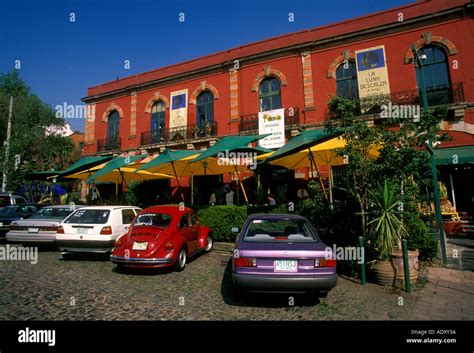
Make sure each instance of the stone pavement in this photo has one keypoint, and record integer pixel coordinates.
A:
(460, 252)
(92, 288)
(447, 295)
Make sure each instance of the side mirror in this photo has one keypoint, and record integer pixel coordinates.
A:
(235, 230)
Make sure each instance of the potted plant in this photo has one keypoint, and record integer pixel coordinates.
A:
(443, 194)
(386, 230)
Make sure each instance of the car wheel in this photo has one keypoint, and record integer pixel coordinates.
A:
(182, 258)
(210, 244)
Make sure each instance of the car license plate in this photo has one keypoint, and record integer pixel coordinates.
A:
(33, 230)
(82, 230)
(1, 224)
(286, 266)
(139, 245)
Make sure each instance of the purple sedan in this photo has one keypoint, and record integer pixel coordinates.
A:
(282, 253)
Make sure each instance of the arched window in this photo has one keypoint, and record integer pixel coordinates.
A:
(205, 113)
(434, 64)
(157, 122)
(269, 94)
(346, 81)
(113, 124)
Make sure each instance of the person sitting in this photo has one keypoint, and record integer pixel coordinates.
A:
(302, 193)
(271, 200)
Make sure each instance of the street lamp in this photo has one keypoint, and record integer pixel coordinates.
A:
(429, 147)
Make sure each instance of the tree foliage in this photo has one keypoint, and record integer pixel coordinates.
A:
(30, 148)
(402, 159)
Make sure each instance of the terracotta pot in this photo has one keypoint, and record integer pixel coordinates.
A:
(384, 273)
(397, 261)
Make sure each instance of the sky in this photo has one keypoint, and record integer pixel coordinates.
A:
(65, 46)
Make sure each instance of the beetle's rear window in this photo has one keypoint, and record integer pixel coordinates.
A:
(153, 220)
(90, 216)
(280, 230)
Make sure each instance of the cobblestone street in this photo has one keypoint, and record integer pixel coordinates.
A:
(91, 288)
(448, 295)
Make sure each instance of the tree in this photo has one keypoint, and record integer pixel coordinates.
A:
(30, 148)
(402, 158)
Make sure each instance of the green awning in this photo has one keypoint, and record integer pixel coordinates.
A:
(116, 163)
(454, 155)
(84, 164)
(304, 140)
(168, 156)
(229, 143)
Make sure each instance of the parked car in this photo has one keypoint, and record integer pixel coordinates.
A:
(162, 236)
(41, 227)
(9, 199)
(9, 214)
(281, 253)
(94, 228)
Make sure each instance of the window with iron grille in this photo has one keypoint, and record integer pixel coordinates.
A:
(205, 112)
(269, 94)
(157, 122)
(346, 81)
(434, 64)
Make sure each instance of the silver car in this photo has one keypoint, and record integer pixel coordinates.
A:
(41, 227)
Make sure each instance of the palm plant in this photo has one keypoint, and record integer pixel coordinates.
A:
(386, 224)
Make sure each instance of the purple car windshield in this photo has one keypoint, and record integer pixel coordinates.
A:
(280, 230)
(153, 220)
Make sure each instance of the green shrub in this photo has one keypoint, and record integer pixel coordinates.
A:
(221, 219)
(419, 238)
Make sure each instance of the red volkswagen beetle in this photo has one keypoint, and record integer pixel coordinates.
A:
(162, 236)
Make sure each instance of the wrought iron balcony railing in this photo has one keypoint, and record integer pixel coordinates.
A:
(249, 122)
(108, 144)
(441, 95)
(180, 133)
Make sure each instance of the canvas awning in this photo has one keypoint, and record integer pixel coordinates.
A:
(303, 141)
(84, 164)
(454, 155)
(228, 144)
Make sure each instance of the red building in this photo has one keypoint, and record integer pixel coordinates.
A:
(299, 72)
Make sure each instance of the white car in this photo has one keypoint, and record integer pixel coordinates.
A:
(41, 227)
(94, 228)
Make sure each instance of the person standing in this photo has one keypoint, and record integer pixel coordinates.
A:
(212, 199)
(229, 196)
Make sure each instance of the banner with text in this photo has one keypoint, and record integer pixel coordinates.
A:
(179, 109)
(272, 122)
(372, 77)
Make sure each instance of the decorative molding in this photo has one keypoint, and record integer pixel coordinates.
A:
(111, 108)
(428, 38)
(203, 86)
(345, 56)
(157, 96)
(267, 72)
